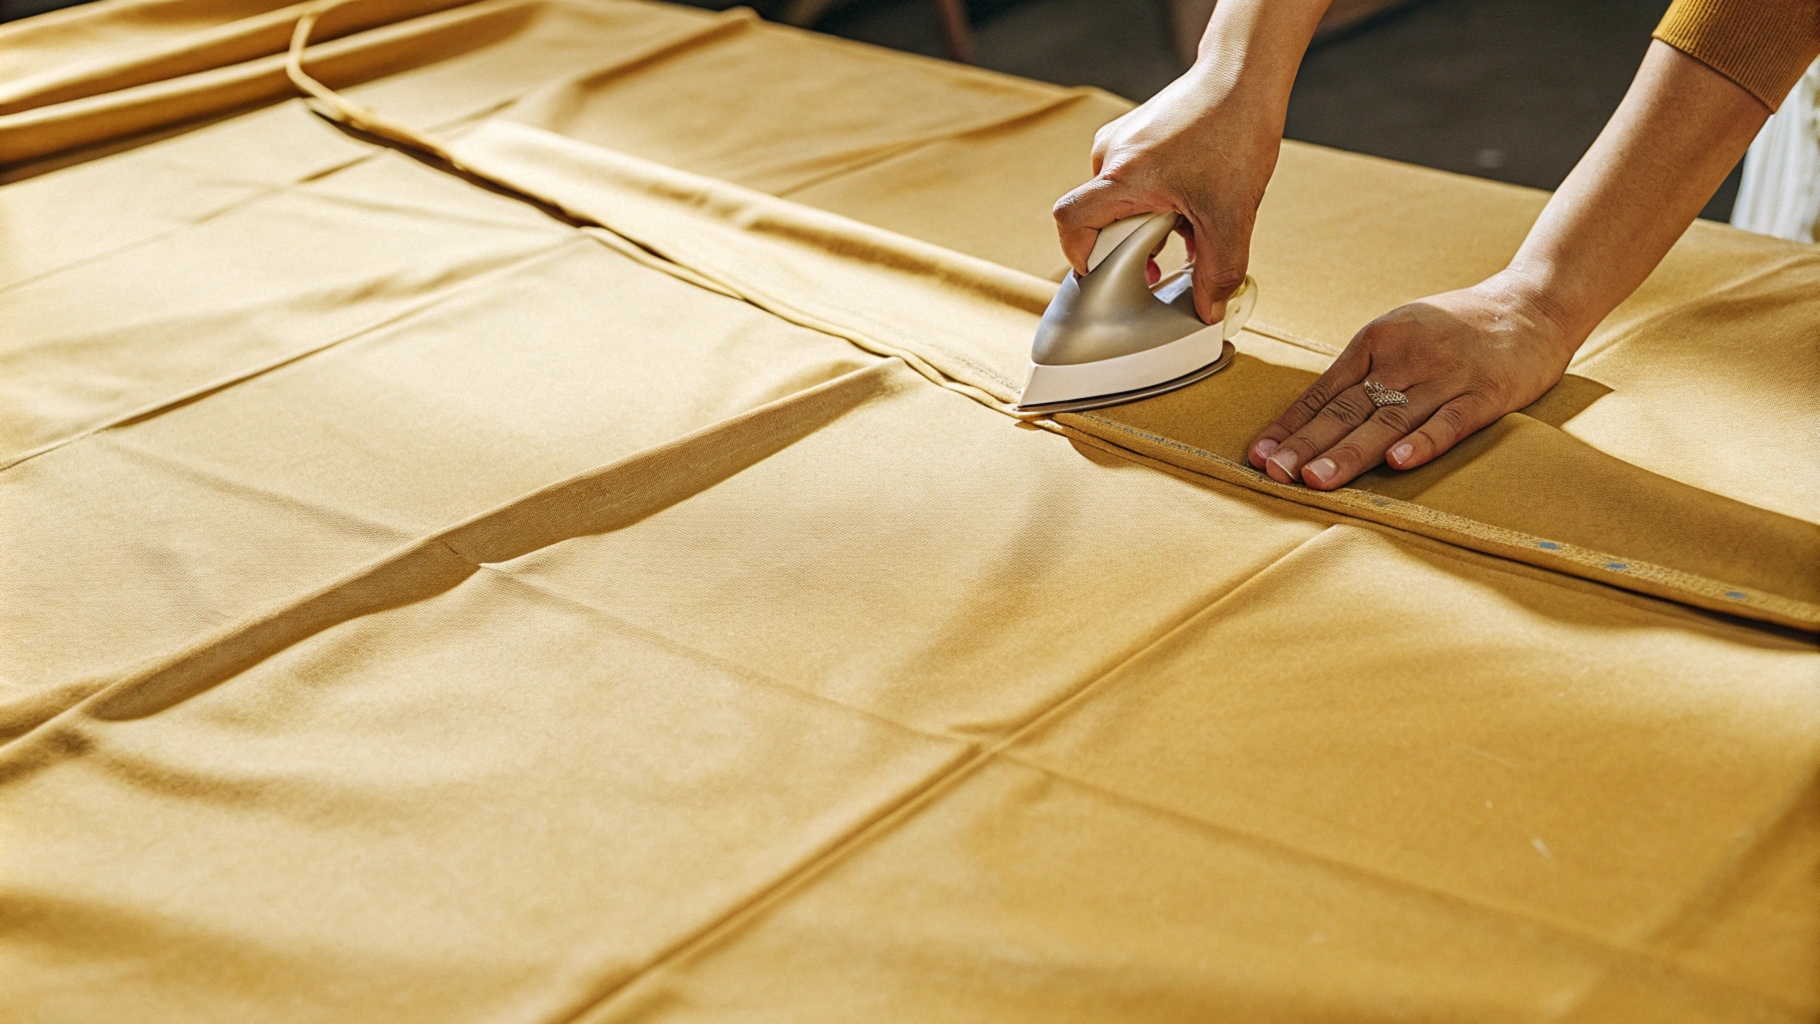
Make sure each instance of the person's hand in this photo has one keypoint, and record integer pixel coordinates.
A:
(1466, 358)
(1204, 147)
(1463, 358)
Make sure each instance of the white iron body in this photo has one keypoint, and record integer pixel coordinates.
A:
(1108, 337)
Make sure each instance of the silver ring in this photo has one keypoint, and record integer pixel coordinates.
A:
(1382, 396)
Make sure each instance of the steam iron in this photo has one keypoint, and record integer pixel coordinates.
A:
(1108, 337)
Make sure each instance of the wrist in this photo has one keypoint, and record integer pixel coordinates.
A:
(1231, 89)
(1531, 298)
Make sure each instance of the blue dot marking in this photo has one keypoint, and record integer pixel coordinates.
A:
(1737, 595)
(1620, 566)
(1548, 545)
(1380, 501)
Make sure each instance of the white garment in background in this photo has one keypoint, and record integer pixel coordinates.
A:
(1780, 191)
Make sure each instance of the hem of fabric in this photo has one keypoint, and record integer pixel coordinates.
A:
(1601, 567)
(494, 154)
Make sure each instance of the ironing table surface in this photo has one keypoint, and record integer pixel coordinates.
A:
(592, 574)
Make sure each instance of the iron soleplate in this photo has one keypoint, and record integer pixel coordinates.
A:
(1227, 351)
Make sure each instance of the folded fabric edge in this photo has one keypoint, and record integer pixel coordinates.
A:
(220, 45)
(579, 177)
(39, 132)
(723, 200)
(1559, 556)
(573, 177)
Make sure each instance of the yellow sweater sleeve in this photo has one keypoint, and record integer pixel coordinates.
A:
(1763, 45)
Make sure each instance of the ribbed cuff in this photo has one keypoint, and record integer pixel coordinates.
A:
(1763, 45)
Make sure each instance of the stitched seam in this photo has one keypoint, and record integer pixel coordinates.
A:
(732, 668)
(202, 392)
(786, 885)
(259, 192)
(1642, 576)
(399, 533)
(1617, 954)
(474, 115)
(1685, 586)
(1713, 623)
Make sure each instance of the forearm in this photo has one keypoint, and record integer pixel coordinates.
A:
(1679, 131)
(1255, 46)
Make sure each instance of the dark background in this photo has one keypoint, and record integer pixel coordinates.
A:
(1513, 90)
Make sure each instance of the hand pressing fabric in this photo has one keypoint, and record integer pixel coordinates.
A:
(1464, 358)
(1442, 367)
(1459, 360)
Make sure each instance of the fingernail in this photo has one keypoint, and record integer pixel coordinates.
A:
(1401, 453)
(1264, 448)
(1285, 461)
(1323, 470)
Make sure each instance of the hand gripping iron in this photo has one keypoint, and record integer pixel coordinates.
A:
(1108, 337)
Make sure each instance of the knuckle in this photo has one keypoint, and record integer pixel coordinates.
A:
(1311, 401)
(1397, 418)
(1081, 201)
(1497, 393)
(1126, 169)
(1067, 210)
(1452, 418)
(1348, 454)
(1348, 410)
(1367, 336)
(1223, 281)
(1482, 401)
(1379, 331)
(1300, 447)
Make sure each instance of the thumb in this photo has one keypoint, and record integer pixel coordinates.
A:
(1081, 214)
(1220, 261)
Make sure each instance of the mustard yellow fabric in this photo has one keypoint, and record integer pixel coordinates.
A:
(418, 602)
(1522, 489)
(1763, 45)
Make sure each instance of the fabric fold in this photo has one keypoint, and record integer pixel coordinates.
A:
(41, 131)
(599, 501)
(231, 42)
(618, 639)
(964, 323)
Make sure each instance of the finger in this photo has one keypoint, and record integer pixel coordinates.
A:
(1364, 447)
(1345, 413)
(1444, 429)
(1081, 214)
(1349, 369)
(1102, 143)
(1220, 260)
